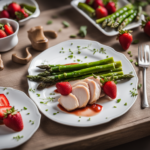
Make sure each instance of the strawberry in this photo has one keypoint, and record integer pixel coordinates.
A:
(111, 7)
(4, 14)
(12, 8)
(146, 26)
(64, 88)
(101, 12)
(125, 38)
(21, 14)
(13, 120)
(3, 109)
(3, 100)
(98, 3)
(2, 33)
(8, 29)
(110, 89)
(89, 2)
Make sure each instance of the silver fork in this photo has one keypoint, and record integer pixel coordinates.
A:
(144, 62)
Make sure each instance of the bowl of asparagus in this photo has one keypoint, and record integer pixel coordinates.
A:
(127, 16)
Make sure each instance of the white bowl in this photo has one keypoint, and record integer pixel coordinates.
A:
(10, 41)
(29, 2)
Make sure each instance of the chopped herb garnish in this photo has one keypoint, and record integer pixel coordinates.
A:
(78, 120)
(52, 93)
(79, 52)
(135, 42)
(72, 36)
(49, 22)
(32, 90)
(70, 56)
(131, 60)
(131, 72)
(28, 113)
(32, 122)
(42, 102)
(102, 50)
(46, 110)
(139, 86)
(78, 60)
(49, 99)
(131, 55)
(85, 57)
(129, 52)
(131, 83)
(4, 88)
(83, 31)
(38, 95)
(71, 43)
(133, 93)
(62, 48)
(118, 100)
(136, 63)
(66, 24)
(24, 108)
(65, 58)
(89, 119)
(79, 116)
(78, 46)
(107, 56)
(125, 104)
(115, 106)
(59, 30)
(7, 93)
(18, 137)
(55, 113)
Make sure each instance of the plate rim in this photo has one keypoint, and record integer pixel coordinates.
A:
(96, 25)
(91, 125)
(37, 112)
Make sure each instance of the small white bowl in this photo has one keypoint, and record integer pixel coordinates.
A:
(10, 41)
(28, 2)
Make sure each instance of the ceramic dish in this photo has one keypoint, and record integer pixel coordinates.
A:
(10, 41)
(107, 31)
(29, 2)
(53, 56)
(19, 100)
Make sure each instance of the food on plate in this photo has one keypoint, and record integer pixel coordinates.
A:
(64, 88)
(101, 12)
(5, 30)
(1, 63)
(17, 11)
(125, 38)
(117, 19)
(146, 26)
(37, 38)
(20, 60)
(89, 2)
(13, 120)
(3, 100)
(9, 116)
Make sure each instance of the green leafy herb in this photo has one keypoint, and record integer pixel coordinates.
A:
(115, 106)
(131, 83)
(139, 86)
(7, 93)
(71, 43)
(79, 52)
(107, 56)
(78, 120)
(129, 52)
(24, 108)
(131, 60)
(83, 31)
(131, 55)
(85, 57)
(102, 50)
(125, 104)
(38, 95)
(4, 88)
(133, 92)
(32, 122)
(66, 24)
(78, 46)
(131, 72)
(118, 100)
(62, 48)
(32, 90)
(78, 60)
(59, 30)
(65, 58)
(55, 113)
(49, 22)
(46, 110)
(136, 63)
(106, 118)
(18, 137)
(48, 99)
(52, 93)
(89, 119)
(135, 42)
(28, 113)
(79, 116)
(72, 36)
(70, 56)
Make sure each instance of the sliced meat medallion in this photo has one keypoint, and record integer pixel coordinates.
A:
(94, 90)
(81, 83)
(69, 102)
(82, 93)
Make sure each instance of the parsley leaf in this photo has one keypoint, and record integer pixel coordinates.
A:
(118, 100)
(66, 24)
(83, 31)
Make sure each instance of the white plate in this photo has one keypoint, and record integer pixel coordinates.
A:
(19, 100)
(52, 56)
(107, 31)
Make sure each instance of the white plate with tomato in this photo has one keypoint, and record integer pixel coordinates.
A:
(90, 51)
(102, 10)
(19, 118)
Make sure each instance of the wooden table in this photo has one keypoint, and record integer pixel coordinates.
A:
(133, 125)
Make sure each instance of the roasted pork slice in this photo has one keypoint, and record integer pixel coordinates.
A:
(82, 93)
(81, 83)
(95, 90)
(69, 102)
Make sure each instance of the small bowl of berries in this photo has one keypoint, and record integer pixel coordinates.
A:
(8, 34)
(20, 10)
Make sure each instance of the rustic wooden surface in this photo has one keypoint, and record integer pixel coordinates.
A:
(131, 126)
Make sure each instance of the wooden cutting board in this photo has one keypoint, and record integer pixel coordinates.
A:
(133, 125)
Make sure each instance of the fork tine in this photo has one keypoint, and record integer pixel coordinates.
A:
(139, 54)
(146, 48)
(148, 56)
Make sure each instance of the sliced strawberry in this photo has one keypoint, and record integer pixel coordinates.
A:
(8, 29)
(3, 110)
(64, 88)
(111, 7)
(13, 120)
(101, 12)
(4, 14)
(110, 89)
(2, 33)
(3, 100)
